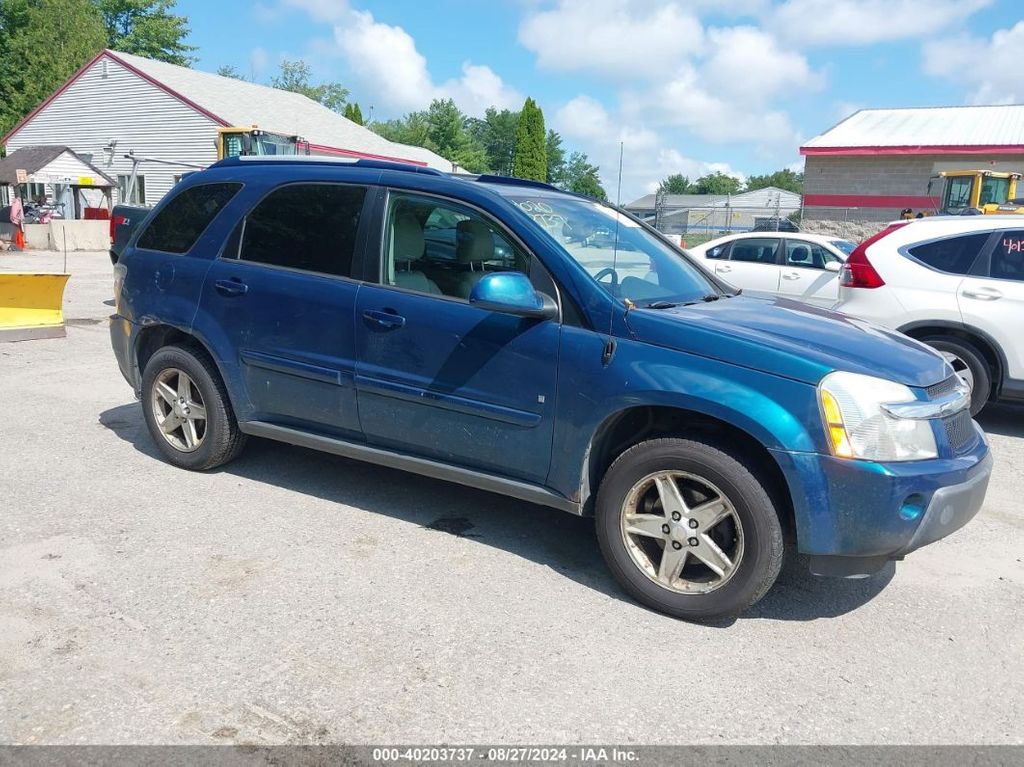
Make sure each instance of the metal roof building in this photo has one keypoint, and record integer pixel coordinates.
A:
(877, 162)
(707, 213)
(120, 103)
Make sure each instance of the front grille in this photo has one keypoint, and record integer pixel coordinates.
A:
(959, 431)
(942, 388)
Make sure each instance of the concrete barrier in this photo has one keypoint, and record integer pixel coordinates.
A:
(80, 235)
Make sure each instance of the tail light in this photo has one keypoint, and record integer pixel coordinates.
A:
(116, 221)
(858, 272)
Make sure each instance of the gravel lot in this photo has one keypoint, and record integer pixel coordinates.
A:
(295, 597)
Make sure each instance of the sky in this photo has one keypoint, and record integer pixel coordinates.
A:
(684, 87)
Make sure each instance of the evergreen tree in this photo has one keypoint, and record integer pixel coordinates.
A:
(354, 113)
(496, 133)
(581, 177)
(555, 156)
(531, 159)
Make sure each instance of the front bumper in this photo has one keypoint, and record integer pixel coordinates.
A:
(854, 516)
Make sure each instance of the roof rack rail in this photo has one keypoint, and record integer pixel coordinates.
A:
(513, 181)
(359, 162)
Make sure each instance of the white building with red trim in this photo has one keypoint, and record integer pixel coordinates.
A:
(119, 104)
(878, 162)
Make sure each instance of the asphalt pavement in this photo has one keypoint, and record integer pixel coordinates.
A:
(296, 597)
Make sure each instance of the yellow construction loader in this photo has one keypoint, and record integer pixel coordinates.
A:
(969, 192)
(252, 141)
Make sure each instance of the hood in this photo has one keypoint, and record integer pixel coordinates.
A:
(790, 339)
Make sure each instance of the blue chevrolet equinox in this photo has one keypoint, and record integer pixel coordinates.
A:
(506, 335)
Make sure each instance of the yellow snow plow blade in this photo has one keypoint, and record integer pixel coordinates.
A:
(31, 306)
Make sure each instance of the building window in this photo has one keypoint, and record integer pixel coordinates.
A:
(138, 193)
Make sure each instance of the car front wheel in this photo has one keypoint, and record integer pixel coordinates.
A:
(687, 529)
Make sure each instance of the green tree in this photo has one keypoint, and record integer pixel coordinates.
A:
(147, 28)
(496, 133)
(716, 183)
(42, 43)
(582, 177)
(441, 128)
(354, 113)
(783, 179)
(296, 76)
(230, 70)
(677, 183)
(531, 159)
(555, 156)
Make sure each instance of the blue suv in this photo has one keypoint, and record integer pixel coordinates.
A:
(509, 336)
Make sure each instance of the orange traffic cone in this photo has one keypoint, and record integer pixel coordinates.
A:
(19, 238)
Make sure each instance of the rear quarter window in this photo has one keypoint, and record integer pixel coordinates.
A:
(181, 221)
(953, 255)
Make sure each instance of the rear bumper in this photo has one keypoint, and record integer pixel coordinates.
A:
(122, 340)
(854, 516)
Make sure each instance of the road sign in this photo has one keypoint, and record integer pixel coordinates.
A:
(22, 175)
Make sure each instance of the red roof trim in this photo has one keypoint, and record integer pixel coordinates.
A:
(870, 201)
(857, 151)
(51, 97)
(364, 155)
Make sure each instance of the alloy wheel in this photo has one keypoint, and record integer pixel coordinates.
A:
(179, 410)
(682, 532)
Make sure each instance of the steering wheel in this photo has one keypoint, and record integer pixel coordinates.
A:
(608, 272)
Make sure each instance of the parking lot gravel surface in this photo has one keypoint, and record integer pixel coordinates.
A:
(297, 597)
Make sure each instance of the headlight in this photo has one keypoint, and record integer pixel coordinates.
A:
(858, 426)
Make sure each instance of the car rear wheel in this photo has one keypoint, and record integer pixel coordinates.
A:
(969, 365)
(687, 529)
(187, 409)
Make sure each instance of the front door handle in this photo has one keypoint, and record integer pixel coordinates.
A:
(723, 268)
(385, 320)
(231, 288)
(982, 294)
(791, 276)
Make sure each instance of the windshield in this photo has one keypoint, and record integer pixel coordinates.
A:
(623, 257)
(843, 246)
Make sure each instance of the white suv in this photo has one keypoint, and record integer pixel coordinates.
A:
(955, 283)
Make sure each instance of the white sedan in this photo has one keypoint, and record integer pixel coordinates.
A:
(801, 266)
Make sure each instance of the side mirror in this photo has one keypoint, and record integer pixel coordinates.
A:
(512, 293)
(833, 266)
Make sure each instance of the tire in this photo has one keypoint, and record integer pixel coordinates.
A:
(750, 535)
(215, 439)
(969, 364)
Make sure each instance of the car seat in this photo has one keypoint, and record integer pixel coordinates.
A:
(407, 245)
(474, 245)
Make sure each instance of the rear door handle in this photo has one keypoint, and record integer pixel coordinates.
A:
(982, 294)
(723, 268)
(791, 276)
(386, 320)
(231, 288)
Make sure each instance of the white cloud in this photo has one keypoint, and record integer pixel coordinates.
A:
(646, 159)
(613, 37)
(853, 22)
(989, 67)
(258, 60)
(748, 63)
(321, 10)
(384, 61)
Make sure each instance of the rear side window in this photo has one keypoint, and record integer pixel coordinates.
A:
(179, 223)
(1008, 257)
(311, 227)
(758, 251)
(954, 255)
